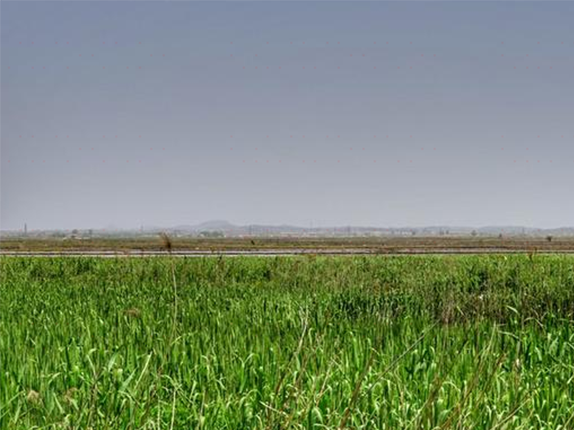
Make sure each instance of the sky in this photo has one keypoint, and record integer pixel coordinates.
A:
(308, 113)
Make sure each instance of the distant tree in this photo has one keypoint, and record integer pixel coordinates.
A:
(473, 233)
(166, 241)
(549, 238)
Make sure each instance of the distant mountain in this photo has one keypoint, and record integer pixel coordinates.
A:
(262, 229)
(214, 225)
(231, 230)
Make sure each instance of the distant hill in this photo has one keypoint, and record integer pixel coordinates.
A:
(231, 230)
(206, 226)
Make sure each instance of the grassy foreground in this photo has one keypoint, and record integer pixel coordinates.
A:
(467, 342)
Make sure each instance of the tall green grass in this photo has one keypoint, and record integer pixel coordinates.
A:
(473, 342)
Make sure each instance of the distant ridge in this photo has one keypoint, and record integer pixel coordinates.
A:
(230, 229)
(207, 226)
(226, 228)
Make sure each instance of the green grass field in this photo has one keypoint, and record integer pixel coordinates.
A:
(465, 342)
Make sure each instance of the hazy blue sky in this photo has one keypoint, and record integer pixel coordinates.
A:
(476, 98)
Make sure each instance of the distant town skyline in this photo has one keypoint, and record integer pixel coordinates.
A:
(381, 114)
